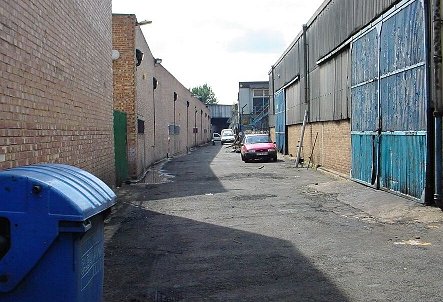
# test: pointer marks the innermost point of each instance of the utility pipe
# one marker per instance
(437, 49)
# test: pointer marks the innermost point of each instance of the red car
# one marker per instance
(258, 146)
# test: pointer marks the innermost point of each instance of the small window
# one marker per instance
(173, 129)
(140, 126)
(138, 57)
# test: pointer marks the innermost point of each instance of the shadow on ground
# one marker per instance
(194, 167)
(157, 257)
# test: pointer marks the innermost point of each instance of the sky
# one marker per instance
(219, 43)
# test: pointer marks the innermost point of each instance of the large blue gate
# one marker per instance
(389, 102)
(280, 120)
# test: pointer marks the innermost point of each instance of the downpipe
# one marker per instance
(438, 160)
(437, 49)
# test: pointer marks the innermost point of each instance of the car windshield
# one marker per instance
(256, 139)
(228, 133)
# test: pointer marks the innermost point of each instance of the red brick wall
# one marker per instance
(332, 149)
(123, 40)
(56, 84)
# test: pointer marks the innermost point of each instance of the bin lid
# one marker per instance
(70, 193)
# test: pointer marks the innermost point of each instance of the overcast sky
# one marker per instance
(219, 43)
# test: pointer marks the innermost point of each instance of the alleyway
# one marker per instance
(217, 229)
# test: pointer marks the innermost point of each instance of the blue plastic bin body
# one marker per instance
(52, 233)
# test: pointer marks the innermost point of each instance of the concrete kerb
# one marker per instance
(380, 205)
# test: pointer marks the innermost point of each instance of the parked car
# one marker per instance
(227, 136)
(258, 146)
(215, 138)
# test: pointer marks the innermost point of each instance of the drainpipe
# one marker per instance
(437, 49)
(306, 68)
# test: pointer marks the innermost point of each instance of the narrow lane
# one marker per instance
(218, 229)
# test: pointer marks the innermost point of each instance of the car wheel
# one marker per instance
(274, 158)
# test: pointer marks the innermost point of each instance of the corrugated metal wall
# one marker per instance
(389, 102)
(294, 104)
(220, 111)
(328, 87)
(338, 21)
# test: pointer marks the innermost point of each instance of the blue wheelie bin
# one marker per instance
(52, 233)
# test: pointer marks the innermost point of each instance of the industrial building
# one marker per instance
(359, 90)
(155, 115)
(253, 105)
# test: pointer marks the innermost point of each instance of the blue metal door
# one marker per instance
(389, 102)
(365, 107)
(280, 120)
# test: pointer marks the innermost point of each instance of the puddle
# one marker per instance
(156, 175)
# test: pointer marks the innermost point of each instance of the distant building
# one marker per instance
(220, 116)
(253, 105)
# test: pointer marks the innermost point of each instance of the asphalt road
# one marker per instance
(212, 228)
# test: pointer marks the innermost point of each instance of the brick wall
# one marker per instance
(196, 115)
(124, 81)
(56, 84)
(144, 104)
(135, 95)
(332, 149)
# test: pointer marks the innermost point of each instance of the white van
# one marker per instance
(227, 136)
(215, 138)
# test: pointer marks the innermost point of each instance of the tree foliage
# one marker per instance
(205, 94)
